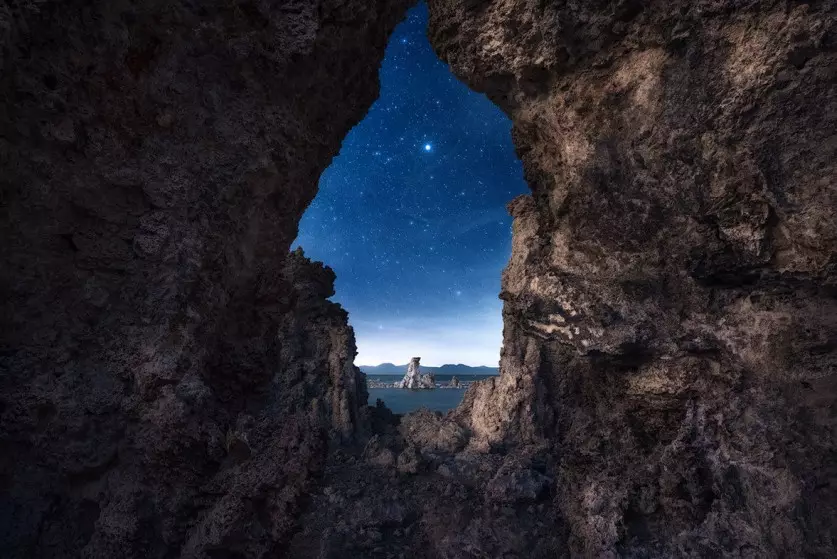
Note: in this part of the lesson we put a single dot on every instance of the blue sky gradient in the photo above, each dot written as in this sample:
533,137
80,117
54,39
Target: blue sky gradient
411,213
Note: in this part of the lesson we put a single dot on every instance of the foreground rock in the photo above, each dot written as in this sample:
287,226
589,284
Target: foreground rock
416,490
169,376
667,382
669,319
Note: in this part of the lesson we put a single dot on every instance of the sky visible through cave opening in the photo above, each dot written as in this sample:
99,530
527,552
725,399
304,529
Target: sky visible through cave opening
411,214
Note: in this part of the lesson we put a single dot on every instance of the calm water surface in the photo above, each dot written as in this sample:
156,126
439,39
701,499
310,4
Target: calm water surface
400,400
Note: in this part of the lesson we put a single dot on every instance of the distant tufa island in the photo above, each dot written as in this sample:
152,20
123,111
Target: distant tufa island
415,378
418,378
459,369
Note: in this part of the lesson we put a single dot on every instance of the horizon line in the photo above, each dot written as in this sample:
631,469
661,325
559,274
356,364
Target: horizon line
425,365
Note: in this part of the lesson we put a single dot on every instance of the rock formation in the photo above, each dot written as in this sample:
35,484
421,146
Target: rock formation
169,376
454,383
670,319
668,374
414,379
174,383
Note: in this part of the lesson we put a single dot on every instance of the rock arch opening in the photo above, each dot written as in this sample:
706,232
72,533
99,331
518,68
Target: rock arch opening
411,216
175,383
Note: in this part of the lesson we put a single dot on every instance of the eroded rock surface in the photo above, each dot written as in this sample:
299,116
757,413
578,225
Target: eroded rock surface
667,383
170,376
173,379
417,491
671,302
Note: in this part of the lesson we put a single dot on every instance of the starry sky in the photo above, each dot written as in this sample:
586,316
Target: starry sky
411,214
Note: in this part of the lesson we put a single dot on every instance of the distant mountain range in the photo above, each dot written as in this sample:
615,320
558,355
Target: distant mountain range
459,369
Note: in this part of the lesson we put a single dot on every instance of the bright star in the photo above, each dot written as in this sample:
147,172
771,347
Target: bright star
427,147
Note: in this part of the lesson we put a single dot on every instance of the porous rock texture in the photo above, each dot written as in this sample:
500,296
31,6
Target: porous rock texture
175,383
667,384
670,318
171,376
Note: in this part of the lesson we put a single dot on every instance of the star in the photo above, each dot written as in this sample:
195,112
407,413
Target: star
403,232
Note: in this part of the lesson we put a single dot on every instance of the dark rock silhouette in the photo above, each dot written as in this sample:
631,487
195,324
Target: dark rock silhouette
170,376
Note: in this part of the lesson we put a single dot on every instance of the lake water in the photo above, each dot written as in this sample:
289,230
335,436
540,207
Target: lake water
400,400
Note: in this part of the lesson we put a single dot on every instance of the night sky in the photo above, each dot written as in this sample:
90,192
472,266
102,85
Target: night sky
411,214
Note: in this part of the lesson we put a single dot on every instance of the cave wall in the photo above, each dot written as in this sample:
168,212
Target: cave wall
170,377
670,315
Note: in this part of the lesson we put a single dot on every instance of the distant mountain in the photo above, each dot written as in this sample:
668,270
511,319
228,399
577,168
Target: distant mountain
458,369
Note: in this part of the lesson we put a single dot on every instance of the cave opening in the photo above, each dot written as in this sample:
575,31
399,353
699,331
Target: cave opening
411,216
